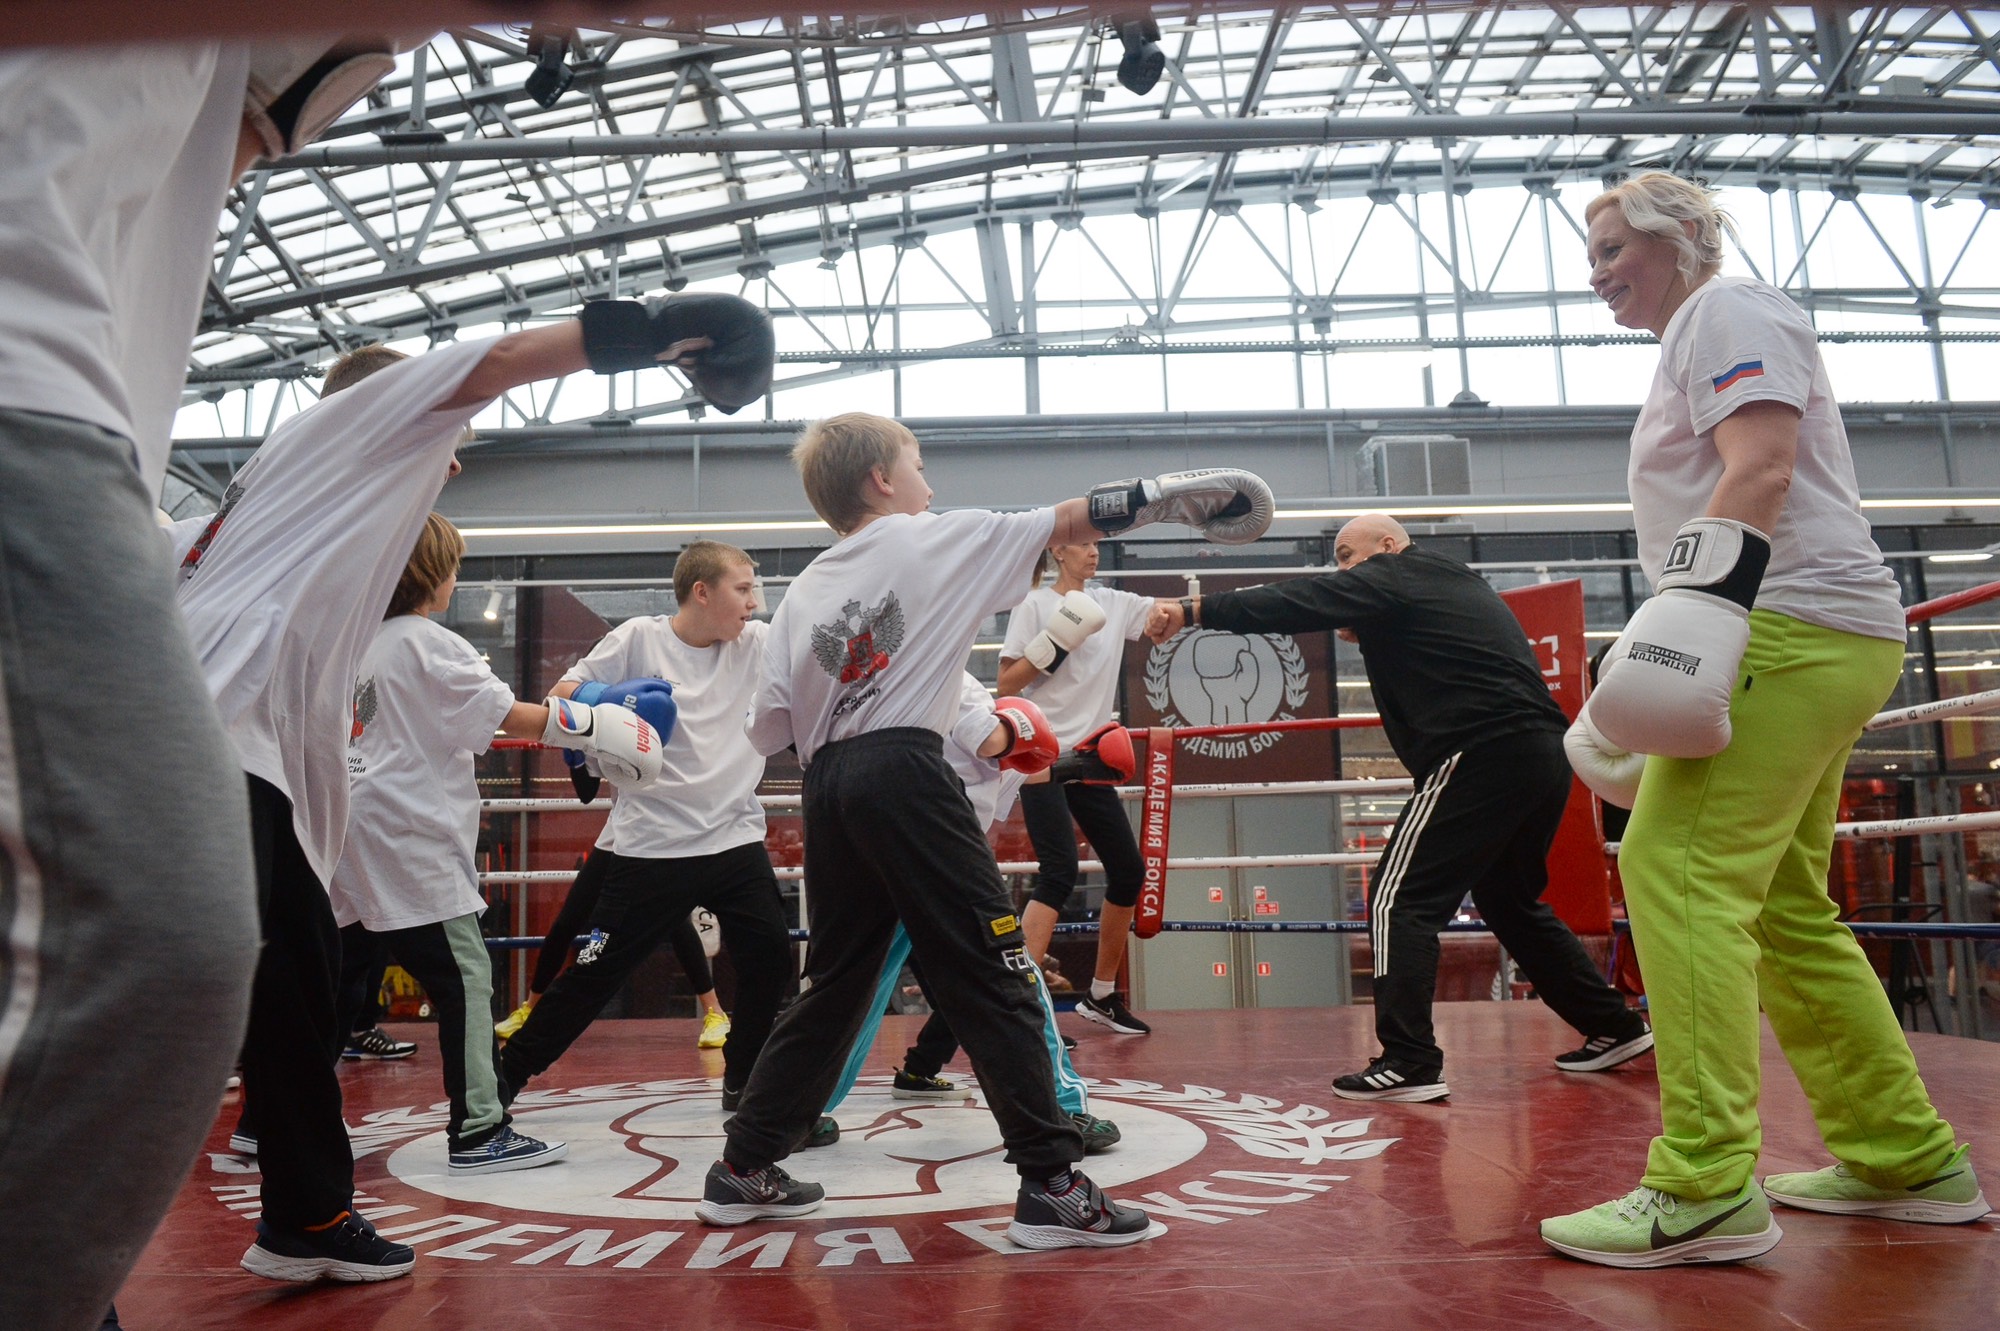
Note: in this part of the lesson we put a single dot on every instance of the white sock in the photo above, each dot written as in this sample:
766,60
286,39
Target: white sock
1102,989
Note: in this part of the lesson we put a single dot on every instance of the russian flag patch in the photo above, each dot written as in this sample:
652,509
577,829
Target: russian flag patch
1735,374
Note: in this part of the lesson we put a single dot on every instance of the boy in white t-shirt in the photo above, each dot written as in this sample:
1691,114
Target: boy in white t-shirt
282,591
424,704
861,677
128,920
695,837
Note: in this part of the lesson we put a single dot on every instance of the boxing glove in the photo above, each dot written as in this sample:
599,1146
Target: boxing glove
1665,685
1611,773
300,86
1104,757
1228,506
1032,744
733,371
582,780
626,748
652,699
1076,617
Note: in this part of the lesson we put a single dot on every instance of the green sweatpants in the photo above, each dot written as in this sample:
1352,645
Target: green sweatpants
1725,871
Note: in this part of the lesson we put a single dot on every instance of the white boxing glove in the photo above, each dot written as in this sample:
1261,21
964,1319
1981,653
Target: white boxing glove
1611,773
299,86
1665,685
1228,506
626,748
1076,617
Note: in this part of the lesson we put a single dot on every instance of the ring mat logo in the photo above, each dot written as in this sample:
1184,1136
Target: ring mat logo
639,1150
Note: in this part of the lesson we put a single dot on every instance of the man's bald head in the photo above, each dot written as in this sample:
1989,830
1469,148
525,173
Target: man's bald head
1369,535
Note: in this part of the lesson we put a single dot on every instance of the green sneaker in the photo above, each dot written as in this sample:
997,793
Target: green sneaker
1951,1198
1650,1228
1099,1134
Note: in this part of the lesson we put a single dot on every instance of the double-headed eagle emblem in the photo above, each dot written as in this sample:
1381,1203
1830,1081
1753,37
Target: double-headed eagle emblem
364,710
860,642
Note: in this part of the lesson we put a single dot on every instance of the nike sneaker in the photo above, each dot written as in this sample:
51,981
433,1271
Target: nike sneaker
1951,1197
1646,1228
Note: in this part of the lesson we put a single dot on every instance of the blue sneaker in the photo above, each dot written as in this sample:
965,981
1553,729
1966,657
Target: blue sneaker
505,1151
349,1250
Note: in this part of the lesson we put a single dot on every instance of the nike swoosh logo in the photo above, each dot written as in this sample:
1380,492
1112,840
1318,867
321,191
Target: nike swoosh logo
1662,1239
1933,1182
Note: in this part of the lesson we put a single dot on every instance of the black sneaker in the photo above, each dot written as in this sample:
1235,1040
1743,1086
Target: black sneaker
1080,1216
823,1133
1601,1052
731,1098
504,1152
1069,1043
1392,1079
730,1198
349,1251
1099,1134
912,1086
243,1143
1110,1011
377,1043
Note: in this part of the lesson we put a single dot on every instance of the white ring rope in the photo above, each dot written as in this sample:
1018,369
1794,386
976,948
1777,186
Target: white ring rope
1398,785
1972,704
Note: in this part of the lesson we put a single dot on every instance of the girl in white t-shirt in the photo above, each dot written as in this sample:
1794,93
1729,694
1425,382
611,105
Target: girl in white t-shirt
1077,691
424,704
1724,862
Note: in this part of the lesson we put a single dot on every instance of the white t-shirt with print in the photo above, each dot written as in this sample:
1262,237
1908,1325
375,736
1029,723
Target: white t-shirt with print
990,787
1733,342
113,167
1080,694
424,704
287,584
705,799
874,633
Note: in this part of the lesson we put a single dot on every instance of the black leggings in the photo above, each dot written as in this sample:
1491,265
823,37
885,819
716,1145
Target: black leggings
684,938
1053,813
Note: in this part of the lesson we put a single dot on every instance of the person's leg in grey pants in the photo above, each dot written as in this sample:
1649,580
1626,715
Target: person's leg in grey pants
128,924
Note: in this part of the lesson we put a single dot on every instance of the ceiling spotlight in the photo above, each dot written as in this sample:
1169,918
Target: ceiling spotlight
493,602
551,77
1144,61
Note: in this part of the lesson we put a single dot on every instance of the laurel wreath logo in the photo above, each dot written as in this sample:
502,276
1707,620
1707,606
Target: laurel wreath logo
1259,1124
1160,661
1304,1134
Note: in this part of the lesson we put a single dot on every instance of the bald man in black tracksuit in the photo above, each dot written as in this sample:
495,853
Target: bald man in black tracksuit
1465,708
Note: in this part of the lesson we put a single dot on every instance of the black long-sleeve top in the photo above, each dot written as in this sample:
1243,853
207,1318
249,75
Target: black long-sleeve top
1448,661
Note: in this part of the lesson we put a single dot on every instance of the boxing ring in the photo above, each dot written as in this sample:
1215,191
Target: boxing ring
1285,1205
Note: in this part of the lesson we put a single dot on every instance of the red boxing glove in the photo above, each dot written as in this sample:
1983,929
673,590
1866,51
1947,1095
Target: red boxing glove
1032,744
1104,757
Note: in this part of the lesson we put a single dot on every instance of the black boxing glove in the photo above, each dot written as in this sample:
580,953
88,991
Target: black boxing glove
733,371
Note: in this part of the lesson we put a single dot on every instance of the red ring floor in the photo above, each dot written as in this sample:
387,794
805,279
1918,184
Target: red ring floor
1285,1205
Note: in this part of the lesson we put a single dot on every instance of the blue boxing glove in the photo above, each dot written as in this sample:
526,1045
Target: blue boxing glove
652,699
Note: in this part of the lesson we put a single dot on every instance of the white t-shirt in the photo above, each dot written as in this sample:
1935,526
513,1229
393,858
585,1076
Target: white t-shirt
286,585
705,799
424,704
990,788
113,167
874,634
1736,341
1078,697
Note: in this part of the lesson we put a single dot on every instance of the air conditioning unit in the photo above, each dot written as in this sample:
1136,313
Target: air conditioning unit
1417,464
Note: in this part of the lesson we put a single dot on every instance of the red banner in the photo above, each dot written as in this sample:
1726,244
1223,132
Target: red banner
1579,879
1155,829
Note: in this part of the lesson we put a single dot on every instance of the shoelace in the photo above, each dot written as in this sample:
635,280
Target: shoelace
1634,1204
